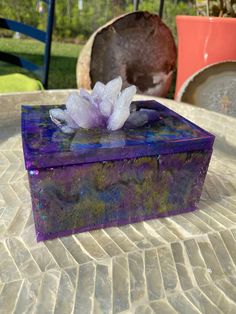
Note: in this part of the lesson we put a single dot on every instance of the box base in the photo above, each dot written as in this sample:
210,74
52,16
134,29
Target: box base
42,237
78,198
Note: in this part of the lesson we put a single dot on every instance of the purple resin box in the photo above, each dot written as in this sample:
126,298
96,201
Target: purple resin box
95,178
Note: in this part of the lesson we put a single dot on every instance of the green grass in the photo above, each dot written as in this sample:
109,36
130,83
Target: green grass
64,56
62,73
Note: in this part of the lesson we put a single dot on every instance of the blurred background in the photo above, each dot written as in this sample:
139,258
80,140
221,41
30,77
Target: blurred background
75,21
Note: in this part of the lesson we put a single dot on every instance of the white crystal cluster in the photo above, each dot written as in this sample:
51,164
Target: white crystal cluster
106,107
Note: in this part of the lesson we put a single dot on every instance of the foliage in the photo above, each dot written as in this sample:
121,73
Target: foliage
22,11
64,56
74,22
218,8
222,8
172,9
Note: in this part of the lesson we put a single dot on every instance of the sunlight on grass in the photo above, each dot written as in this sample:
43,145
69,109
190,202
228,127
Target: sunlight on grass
63,60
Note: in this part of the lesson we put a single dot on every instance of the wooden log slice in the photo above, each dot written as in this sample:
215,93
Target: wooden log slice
137,46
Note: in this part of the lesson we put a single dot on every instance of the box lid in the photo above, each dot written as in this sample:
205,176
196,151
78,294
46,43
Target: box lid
45,145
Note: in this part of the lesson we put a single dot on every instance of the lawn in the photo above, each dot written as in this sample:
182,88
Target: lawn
64,56
62,73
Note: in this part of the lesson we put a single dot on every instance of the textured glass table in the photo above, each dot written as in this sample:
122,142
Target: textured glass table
181,264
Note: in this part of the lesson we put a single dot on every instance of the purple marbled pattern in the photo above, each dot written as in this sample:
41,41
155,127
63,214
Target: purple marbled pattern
94,179
84,197
46,146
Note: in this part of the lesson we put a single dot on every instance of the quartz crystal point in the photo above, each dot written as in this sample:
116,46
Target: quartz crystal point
106,107
121,110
